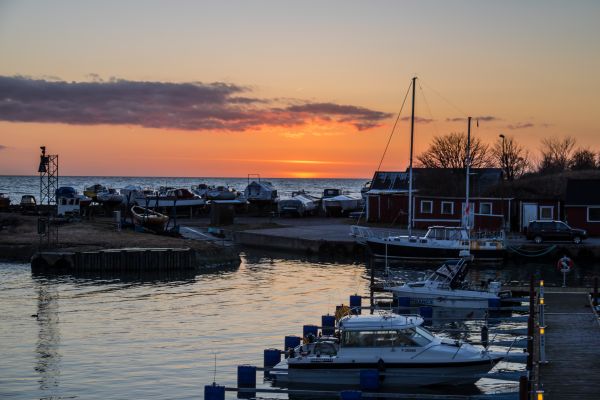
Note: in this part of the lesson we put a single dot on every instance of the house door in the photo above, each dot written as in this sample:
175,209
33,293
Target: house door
529,212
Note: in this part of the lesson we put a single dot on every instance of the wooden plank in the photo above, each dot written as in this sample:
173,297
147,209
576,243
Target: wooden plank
573,348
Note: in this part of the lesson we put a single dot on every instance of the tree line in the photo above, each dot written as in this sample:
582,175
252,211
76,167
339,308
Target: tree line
556,155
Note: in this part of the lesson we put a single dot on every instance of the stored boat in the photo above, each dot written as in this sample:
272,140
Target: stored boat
28,202
403,353
340,205
300,203
109,197
4,202
92,191
447,287
260,192
173,198
149,219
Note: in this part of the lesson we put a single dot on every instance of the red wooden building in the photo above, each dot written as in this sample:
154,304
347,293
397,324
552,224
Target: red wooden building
582,205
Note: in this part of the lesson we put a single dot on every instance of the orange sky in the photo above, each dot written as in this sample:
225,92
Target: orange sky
532,68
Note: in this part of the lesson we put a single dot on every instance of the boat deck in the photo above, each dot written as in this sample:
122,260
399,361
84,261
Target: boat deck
572,348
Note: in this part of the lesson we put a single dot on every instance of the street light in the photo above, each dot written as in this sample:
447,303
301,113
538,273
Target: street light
504,155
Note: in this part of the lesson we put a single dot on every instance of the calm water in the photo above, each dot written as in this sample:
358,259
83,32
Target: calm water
68,337
16,186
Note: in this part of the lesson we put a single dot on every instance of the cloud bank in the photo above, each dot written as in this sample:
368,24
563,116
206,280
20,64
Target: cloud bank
193,106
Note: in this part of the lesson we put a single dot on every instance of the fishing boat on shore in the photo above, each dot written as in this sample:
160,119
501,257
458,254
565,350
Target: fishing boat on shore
92,191
447,287
4,202
340,205
149,219
396,346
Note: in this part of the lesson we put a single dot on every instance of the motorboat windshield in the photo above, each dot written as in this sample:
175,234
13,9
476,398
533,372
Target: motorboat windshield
446,233
407,337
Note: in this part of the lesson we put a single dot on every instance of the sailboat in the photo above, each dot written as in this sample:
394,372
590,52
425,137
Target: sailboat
440,242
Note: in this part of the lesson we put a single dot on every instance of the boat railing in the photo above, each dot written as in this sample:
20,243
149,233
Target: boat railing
362,233
488,235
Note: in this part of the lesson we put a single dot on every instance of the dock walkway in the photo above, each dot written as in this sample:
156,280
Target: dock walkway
573,348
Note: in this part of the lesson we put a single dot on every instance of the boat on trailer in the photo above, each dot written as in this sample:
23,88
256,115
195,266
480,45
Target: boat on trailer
447,287
300,203
397,346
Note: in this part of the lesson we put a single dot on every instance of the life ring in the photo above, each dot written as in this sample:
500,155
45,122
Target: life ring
565,264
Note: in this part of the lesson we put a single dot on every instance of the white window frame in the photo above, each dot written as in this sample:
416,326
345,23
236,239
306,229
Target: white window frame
588,214
491,208
451,207
551,213
430,206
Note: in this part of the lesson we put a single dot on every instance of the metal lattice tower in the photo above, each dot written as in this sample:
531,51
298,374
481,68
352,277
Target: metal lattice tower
48,170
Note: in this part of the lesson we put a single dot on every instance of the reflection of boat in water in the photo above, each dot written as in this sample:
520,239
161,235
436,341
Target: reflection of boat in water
397,347
447,287
439,243
149,219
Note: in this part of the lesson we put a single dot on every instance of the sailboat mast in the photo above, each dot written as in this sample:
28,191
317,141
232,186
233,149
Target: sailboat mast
410,164
468,162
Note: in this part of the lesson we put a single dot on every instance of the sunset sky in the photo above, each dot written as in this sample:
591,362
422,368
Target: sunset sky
282,88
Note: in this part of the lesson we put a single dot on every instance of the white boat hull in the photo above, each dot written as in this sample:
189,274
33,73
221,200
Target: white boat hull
166,203
409,298
390,377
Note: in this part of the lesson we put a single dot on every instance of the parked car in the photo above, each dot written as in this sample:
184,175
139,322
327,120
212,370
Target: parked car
540,231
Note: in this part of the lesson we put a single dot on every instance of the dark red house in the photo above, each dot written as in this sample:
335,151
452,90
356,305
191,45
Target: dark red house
582,204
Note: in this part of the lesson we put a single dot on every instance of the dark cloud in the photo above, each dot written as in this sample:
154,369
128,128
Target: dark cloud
486,118
419,120
520,125
189,106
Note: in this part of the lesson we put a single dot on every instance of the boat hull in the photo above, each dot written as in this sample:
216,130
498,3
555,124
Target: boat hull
412,299
403,251
391,375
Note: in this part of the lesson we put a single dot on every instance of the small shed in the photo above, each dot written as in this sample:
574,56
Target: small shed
222,212
582,204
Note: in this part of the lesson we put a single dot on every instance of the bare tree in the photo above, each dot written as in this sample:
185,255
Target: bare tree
511,157
556,154
450,151
583,159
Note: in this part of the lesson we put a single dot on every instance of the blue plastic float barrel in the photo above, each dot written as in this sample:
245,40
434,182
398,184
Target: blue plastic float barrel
350,395
291,341
246,376
310,329
328,325
271,357
369,380
214,392
355,303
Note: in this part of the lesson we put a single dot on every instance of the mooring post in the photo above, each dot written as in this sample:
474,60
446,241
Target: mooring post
530,326
542,324
523,384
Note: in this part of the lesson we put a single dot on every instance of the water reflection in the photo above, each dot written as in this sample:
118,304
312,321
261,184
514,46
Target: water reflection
48,356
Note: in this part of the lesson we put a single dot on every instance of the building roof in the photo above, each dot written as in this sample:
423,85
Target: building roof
437,181
581,192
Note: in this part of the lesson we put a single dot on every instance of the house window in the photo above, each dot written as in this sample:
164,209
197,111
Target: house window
593,214
426,207
447,207
485,208
546,212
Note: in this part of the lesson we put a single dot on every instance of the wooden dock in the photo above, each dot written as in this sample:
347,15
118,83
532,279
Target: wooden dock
572,347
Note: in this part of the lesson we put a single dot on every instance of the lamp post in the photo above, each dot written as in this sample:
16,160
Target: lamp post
504,166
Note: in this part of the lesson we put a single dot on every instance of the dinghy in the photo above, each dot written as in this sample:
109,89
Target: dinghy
149,219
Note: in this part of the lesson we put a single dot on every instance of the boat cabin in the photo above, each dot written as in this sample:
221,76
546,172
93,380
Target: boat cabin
447,233
383,331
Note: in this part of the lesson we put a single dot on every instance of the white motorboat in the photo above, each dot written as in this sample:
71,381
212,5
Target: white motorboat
403,353
439,243
447,287
300,203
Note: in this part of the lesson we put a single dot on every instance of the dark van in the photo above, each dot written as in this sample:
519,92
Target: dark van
540,231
